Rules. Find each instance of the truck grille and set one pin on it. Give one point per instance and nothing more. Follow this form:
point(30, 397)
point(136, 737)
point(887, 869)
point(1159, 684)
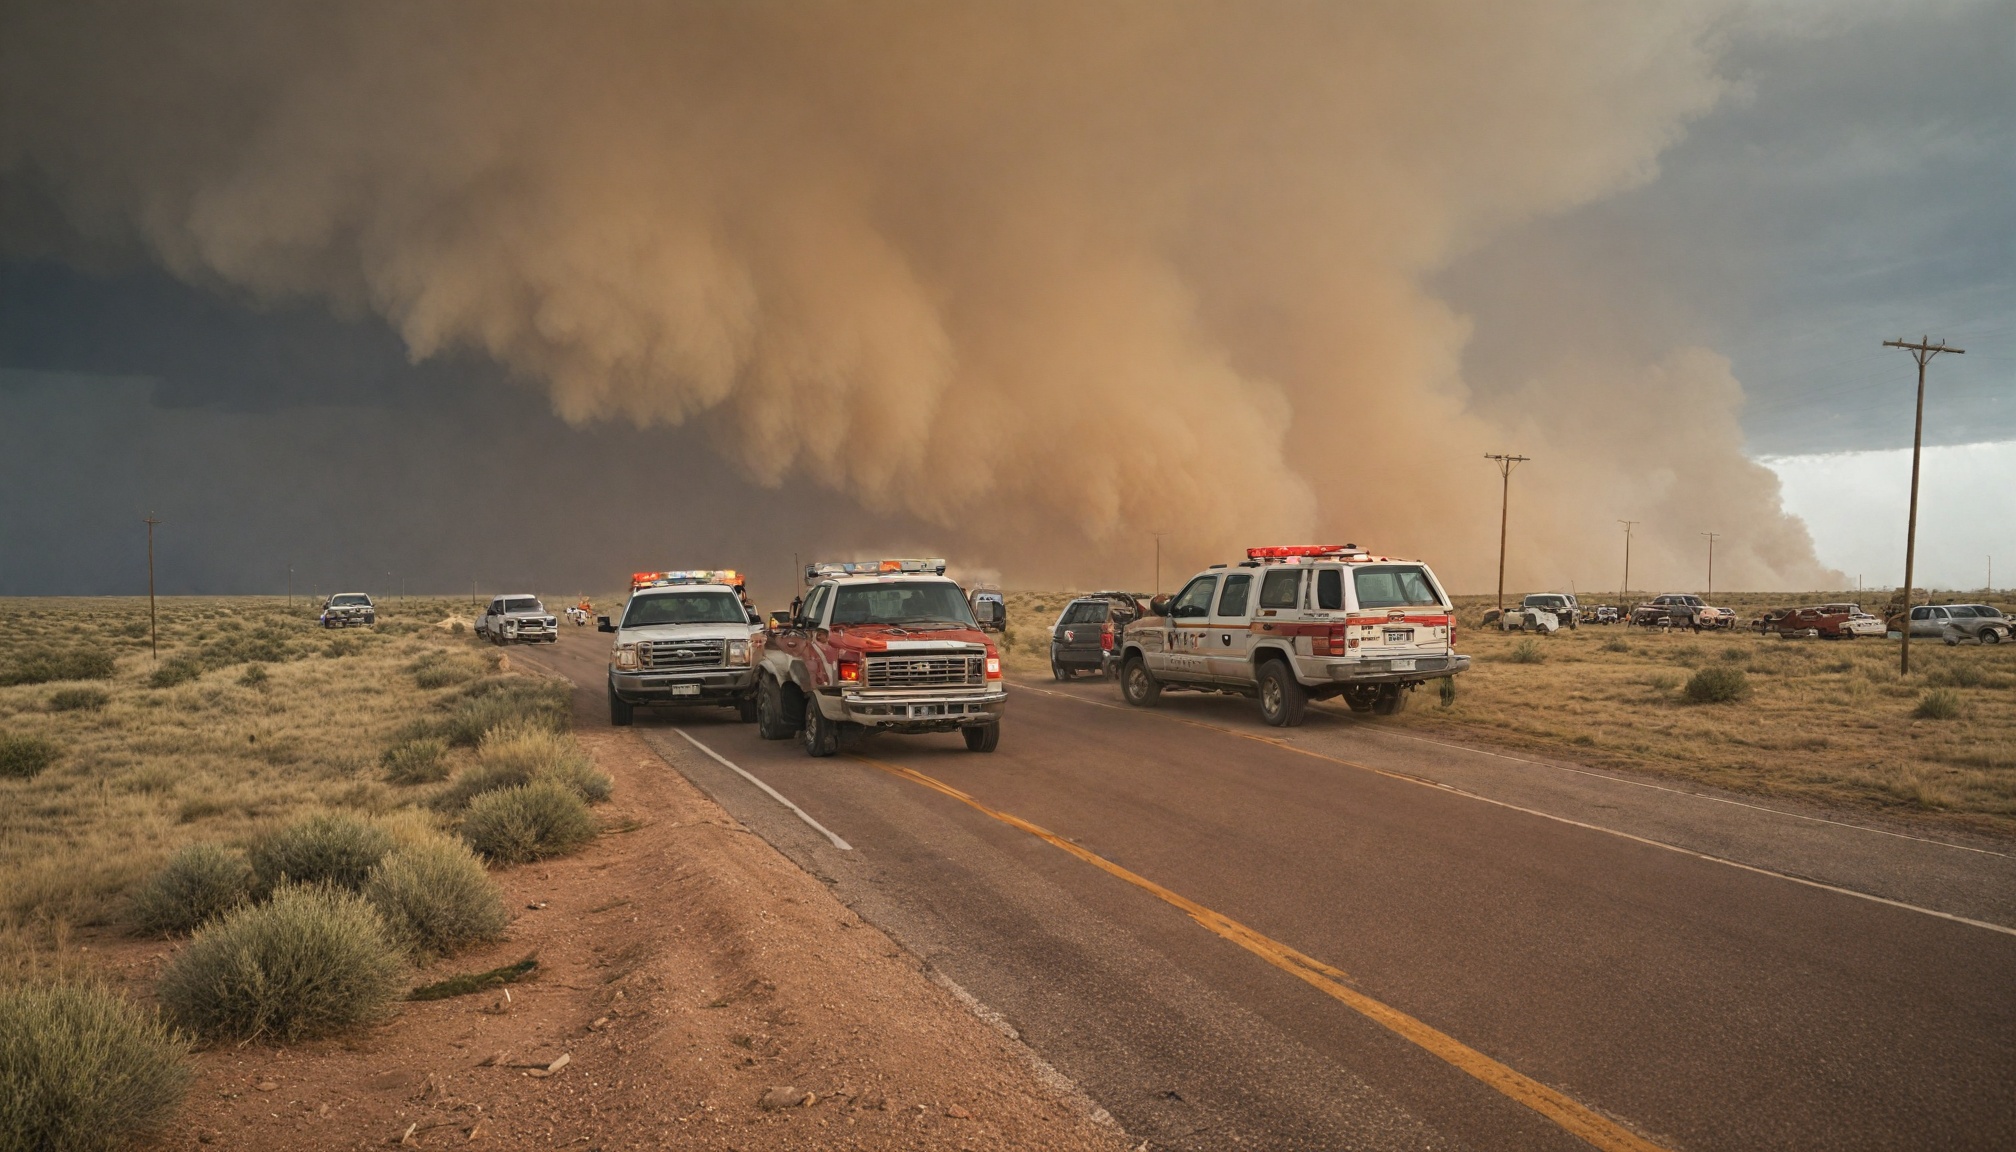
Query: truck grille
point(682, 653)
point(925, 671)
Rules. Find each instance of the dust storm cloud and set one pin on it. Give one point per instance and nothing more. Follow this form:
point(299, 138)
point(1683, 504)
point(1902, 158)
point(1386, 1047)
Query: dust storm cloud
point(1047, 276)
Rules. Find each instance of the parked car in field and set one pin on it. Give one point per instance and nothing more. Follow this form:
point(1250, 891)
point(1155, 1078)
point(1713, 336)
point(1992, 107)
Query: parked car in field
point(1085, 637)
point(517, 617)
point(1681, 610)
point(1956, 622)
point(1543, 612)
point(1293, 624)
point(1602, 614)
point(1828, 621)
point(349, 610)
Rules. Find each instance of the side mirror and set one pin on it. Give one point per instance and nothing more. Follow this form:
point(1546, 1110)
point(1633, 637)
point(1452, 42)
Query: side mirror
point(779, 620)
point(1159, 606)
point(602, 624)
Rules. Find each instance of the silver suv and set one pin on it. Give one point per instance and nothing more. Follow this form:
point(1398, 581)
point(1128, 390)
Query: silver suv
point(1295, 624)
point(519, 616)
point(1956, 622)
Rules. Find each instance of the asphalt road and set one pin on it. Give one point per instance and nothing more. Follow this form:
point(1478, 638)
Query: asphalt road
point(1686, 970)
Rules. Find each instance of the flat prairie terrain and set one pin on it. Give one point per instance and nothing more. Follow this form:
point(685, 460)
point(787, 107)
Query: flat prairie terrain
point(1823, 720)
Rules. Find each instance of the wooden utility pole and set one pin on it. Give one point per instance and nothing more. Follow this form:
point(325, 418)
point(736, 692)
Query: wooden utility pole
point(1505, 465)
point(153, 622)
point(1922, 352)
point(1711, 562)
point(1624, 597)
point(1158, 561)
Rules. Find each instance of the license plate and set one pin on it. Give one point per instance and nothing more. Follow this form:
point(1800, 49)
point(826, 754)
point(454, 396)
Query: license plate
point(1399, 636)
point(685, 689)
point(1403, 665)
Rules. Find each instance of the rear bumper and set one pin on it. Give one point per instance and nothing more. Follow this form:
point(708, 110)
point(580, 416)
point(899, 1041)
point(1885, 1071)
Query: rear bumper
point(714, 686)
point(1379, 670)
point(914, 711)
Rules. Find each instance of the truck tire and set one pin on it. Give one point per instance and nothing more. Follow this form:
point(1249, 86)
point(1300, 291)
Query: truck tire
point(982, 737)
point(1392, 698)
point(1137, 685)
point(1282, 698)
point(745, 708)
point(822, 736)
point(621, 711)
point(1058, 671)
point(771, 722)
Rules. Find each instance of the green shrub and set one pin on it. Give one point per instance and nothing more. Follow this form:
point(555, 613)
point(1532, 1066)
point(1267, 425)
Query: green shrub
point(439, 670)
point(1957, 676)
point(529, 822)
point(330, 848)
point(1525, 652)
point(24, 757)
point(435, 897)
point(1616, 644)
point(494, 701)
point(42, 666)
point(518, 753)
point(254, 676)
point(1938, 704)
point(1735, 655)
point(84, 1070)
point(312, 961)
point(199, 884)
point(178, 670)
point(1718, 685)
point(418, 760)
point(78, 699)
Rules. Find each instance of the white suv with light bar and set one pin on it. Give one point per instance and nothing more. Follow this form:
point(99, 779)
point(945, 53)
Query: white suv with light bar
point(684, 638)
point(1294, 624)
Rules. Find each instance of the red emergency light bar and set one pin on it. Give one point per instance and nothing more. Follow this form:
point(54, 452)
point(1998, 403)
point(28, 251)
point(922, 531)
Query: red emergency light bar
point(727, 576)
point(1306, 552)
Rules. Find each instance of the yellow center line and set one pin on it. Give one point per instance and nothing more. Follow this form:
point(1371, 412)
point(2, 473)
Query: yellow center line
point(1576, 1119)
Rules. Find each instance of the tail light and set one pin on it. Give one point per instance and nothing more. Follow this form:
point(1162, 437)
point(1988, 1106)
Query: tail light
point(1333, 644)
point(1106, 638)
point(850, 671)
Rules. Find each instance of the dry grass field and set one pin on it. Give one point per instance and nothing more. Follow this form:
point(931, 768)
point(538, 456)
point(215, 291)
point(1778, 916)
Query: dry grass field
point(252, 715)
point(1829, 721)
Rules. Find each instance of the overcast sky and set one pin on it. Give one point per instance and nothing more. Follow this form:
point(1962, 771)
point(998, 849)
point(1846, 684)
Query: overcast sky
point(1856, 183)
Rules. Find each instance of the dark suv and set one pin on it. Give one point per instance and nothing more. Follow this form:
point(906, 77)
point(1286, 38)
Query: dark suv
point(1086, 635)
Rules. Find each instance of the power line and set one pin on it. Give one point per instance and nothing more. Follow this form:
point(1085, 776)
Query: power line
point(1923, 352)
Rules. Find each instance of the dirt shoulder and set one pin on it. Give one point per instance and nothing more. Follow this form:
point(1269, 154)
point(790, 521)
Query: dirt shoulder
point(687, 969)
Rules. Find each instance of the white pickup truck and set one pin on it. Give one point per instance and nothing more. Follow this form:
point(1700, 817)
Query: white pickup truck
point(684, 638)
point(1293, 624)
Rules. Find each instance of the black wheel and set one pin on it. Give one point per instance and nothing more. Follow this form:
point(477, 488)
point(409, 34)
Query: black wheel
point(982, 737)
point(771, 722)
point(745, 708)
point(1058, 671)
point(1391, 699)
point(1137, 685)
point(1282, 698)
point(822, 736)
point(1991, 636)
point(621, 711)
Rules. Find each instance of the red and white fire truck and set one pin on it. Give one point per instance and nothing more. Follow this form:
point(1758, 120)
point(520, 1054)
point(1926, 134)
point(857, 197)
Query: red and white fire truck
point(1297, 623)
point(879, 645)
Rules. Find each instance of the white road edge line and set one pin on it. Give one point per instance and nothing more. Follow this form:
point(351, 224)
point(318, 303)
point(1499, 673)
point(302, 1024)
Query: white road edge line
point(774, 794)
point(1453, 790)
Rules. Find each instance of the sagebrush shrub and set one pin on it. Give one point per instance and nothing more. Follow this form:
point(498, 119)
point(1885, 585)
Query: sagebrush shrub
point(518, 753)
point(42, 666)
point(418, 760)
point(1718, 685)
point(439, 670)
point(254, 676)
point(529, 822)
point(494, 701)
point(435, 897)
point(84, 1070)
point(199, 884)
point(24, 757)
point(1525, 652)
point(331, 848)
point(176, 670)
point(1938, 704)
point(311, 961)
point(78, 699)
point(1616, 644)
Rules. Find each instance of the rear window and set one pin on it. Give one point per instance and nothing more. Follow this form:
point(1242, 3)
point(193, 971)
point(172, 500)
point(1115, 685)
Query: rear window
point(1085, 612)
point(685, 608)
point(1395, 586)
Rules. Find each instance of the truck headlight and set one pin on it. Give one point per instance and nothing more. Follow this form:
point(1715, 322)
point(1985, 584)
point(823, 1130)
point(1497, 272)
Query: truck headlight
point(738, 652)
point(626, 656)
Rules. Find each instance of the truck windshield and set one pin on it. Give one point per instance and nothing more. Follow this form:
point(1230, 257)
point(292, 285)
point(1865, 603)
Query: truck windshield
point(350, 600)
point(1395, 586)
point(522, 604)
point(902, 602)
point(685, 608)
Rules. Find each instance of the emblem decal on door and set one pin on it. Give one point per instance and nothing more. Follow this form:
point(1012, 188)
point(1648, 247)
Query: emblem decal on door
point(1227, 638)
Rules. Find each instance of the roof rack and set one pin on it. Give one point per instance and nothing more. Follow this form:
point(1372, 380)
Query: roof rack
point(821, 571)
point(727, 576)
